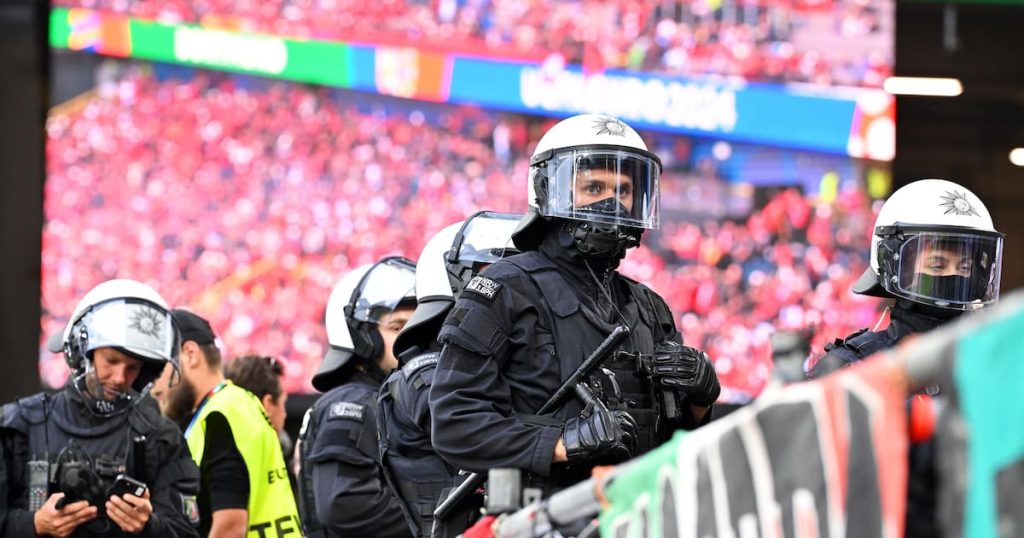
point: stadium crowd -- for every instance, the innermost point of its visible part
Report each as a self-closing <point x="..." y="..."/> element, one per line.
<point x="830" y="42"/>
<point x="246" y="199"/>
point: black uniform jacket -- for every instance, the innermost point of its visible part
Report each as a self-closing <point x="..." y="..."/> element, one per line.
<point x="517" y="331"/>
<point x="44" y="424"/>
<point x="342" y="458"/>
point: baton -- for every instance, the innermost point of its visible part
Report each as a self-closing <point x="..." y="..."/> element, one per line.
<point x="591" y="363"/>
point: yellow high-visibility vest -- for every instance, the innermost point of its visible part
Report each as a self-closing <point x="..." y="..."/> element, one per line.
<point x="272" y="510"/>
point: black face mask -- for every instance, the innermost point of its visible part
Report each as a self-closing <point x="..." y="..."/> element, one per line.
<point x="953" y="288"/>
<point x="603" y="241"/>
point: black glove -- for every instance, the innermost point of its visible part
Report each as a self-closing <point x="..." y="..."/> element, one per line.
<point x="627" y="442"/>
<point x="602" y="432"/>
<point x="687" y="370"/>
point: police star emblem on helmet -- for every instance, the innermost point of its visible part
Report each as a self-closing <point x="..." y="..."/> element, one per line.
<point x="146" y="321"/>
<point x="956" y="202"/>
<point x="609" y="126"/>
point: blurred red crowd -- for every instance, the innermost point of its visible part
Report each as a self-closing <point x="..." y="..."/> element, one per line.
<point x="831" y="42"/>
<point x="247" y="203"/>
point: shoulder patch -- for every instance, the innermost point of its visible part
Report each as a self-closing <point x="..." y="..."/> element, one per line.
<point x="346" y="410"/>
<point x="483" y="286"/>
<point x="189" y="508"/>
<point x="419" y="363"/>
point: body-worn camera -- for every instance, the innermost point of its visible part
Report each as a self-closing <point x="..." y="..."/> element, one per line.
<point x="77" y="478"/>
<point x="81" y="478"/>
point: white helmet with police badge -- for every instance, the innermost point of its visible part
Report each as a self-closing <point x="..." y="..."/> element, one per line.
<point x="130" y="317"/>
<point x="596" y="173"/>
<point x="934" y="244"/>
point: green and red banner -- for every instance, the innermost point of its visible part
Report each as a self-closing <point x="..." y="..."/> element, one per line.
<point x="826" y="458"/>
<point x="829" y="457"/>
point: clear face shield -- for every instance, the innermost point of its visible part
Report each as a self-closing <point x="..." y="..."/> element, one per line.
<point x="138" y="329"/>
<point x="387" y="284"/>
<point x="484" y="239"/>
<point x="957" y="270"/>
<point x="611" y="185"/>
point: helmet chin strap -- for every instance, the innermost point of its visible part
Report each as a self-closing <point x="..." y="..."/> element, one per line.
<point x="97" y="404"/>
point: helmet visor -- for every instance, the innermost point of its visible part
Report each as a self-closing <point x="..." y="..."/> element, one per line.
<point x="949" y="269"/>
<point x="387" y="284"/>
<point x="487" y="238"/>
<point x="608" y="186"/>
<point x="138" y="327"/>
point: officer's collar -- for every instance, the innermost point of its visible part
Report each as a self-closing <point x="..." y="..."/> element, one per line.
<point x="373" y="375"/>
<point x="72" y="414"/>
<point x="560" y="248"/>
<point x="907" y="321"/>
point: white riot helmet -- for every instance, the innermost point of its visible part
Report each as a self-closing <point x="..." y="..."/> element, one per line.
<point x="446" y="265"/>
<point x="130" y="317"/>
<point x="934" y="244"/>
<point x="356" y="304"/>
<point x="595" y="172"/>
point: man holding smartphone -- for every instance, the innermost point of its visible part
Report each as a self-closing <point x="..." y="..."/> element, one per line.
<point x="61" y="455"/>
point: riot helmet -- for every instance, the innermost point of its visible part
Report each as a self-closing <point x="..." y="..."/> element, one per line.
<point x="131" y="318"/>
<point x="934" y="245"/>
<point x="594" y="174"/>
<point x="447" y="263"/>
<point x="356" y="304"/>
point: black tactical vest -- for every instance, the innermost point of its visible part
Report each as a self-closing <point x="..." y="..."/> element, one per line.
<point x="68" y="445"/>
<point x="854" y="348"/>
<point x="415" y="473"/>
<point x="577" y="329"/>
<point x="863" y="343"/>
<point x="350" y="397"/>
<point x="311" y="527"/>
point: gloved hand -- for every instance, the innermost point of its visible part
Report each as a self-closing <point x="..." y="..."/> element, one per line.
<point x="599" y="433"/>
<point x="627" y="441"/>
<point x="687" y="370"/>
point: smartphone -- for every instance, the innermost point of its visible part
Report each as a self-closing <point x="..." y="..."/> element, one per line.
<point x="124" y="485"/>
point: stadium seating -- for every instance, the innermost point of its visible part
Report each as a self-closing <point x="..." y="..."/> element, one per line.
<point x="248" y="199"/>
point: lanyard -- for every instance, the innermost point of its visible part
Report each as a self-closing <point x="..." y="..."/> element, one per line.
<point x="202" y="404"/>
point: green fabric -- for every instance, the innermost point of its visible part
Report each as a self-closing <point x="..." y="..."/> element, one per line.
<point x="988" y="372"/>
<point x="314" y="61"/>
<point x="271" y="503"/>
<point x="637" y="489"/>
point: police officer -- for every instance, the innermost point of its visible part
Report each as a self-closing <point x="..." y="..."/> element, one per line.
<point x="936" y="253"/>
<point x="522" y="326"/>
<point x="341" y="488"/>
<point x="63" y="454"/>
<point x="448" y="261"/>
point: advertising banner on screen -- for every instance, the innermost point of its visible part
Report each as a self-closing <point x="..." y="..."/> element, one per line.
<point x="855" y="122"/>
